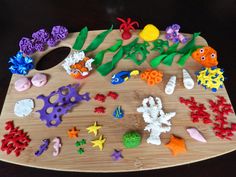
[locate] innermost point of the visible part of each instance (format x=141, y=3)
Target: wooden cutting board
x=131, y=94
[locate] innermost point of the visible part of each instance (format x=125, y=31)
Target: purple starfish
x=116, y=155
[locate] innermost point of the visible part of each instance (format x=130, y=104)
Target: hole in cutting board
x=52, y=58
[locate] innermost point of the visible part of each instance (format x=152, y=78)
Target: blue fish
x=123, y=76
x=118, y=113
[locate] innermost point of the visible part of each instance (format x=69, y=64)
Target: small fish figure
x=118, y=113
x=206, y=56
x=123, y=76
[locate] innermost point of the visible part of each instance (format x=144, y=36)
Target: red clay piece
x=99, y=109
x=197, y=110
x=223, y=129
x=100, y=97
x=113, y=95
x=127, y=26
x=15, y=141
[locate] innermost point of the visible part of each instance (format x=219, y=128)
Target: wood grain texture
x=131, y=93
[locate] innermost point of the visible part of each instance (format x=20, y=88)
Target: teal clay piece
x=132, y=139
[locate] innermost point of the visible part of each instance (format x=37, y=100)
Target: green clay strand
x=155, y=62
x=127, y=48
x=169, y=59
x=172, y=49
x=189, y=45
x=79, y=42
x=100, y=55
x=109, y=66
x=98, y=40
x=159, y=45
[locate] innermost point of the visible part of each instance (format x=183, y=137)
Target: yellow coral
x=149, y=33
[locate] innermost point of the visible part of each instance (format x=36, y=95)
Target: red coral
x=113, y=95
x=197, y=110
x=127, y=26
x=222, y=127
x=99, y=109
x=100, y=97
x=16, y=140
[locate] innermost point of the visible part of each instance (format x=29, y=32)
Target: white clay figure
x=170, y=86
x=187, y=80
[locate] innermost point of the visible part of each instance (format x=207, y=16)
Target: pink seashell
x=22, y=84
x=195, y=134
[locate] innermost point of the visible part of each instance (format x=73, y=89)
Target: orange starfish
x=176, y=145
x=73, y=133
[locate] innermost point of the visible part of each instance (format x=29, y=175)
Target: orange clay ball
x=152, y=77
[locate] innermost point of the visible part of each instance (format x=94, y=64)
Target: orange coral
x=152, y=76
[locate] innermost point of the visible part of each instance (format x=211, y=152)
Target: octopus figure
x=127, y=26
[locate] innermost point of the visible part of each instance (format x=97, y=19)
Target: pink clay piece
x=22, y=84
x=39, y=80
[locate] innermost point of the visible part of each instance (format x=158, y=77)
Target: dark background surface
x=215, y=19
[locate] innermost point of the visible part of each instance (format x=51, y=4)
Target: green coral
x=132, y=139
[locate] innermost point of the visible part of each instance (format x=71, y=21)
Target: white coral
x=157, y=121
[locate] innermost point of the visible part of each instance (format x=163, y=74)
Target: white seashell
x=170, y=86
x=187, y=80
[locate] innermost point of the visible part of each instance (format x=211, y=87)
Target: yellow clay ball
x=149, y=33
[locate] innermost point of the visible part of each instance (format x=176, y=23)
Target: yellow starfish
x=94, y=128
x=99, y=142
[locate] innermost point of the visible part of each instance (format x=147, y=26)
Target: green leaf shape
x=98, y=40
x=155, y=62
x=100, y=55
x=79, y=42
x=169, y=59
x=109, y=66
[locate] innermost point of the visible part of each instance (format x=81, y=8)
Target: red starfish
x=127, y=26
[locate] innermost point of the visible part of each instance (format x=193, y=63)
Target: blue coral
x=21, y=64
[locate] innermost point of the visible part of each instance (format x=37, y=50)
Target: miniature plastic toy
x=149, y=33
x=195, y=134
x=43, y=147
x=170, y=86
x=39, y=80
x=62, y=105
x=77, y=65
x=116, y=155
x=99, y=109
x=21, y=64
x=118, y=113
x=152, y=76
x=16, y=140
x=172, y=33
x=57, y=146
x=94, y=128
x=176, y=145
x=211, y=78
x=100, y=97
x=80, y=143
x=206, y=56
x=158, y=121
x=187, y=80
x=127, y=26
x=123, y=76
x=73, y=133
x=99, y=142
x=22, y=84
x=113, y=95
x=24, y=107
x=80, y=151
x=131, y=139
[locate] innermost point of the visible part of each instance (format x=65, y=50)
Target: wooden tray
x=131, y=94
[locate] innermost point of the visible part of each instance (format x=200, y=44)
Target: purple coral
x=172, y=33
x=52, y=42
x=41, y=36
x=59, y=32
x=26, y=46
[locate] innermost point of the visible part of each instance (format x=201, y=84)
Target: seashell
x=187, y=80
x=170, y=86
x=195, y=134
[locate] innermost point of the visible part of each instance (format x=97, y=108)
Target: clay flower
x=21, y=64
x=41, y=35
x=59, y=32
x=26, y=46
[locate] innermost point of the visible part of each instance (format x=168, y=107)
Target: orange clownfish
x=206, y=56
